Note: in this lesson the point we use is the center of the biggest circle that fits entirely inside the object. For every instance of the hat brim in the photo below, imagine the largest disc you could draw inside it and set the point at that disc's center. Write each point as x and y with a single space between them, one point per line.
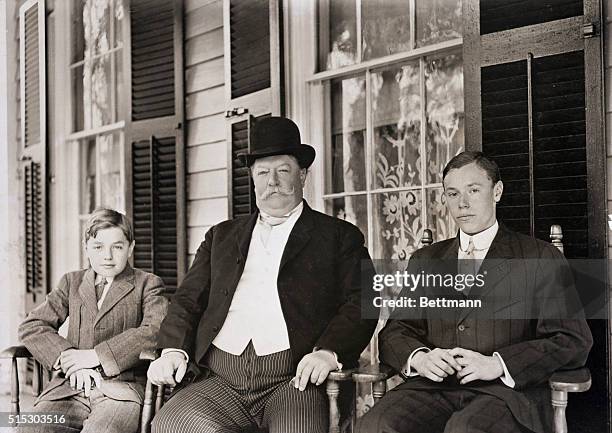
304 153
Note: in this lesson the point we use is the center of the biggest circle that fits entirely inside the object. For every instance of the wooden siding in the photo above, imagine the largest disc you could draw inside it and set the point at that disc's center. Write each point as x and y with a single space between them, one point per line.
205 107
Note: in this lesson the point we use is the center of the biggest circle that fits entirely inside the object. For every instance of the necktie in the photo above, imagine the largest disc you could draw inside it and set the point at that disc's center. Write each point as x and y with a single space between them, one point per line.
467 265
100 289
269 221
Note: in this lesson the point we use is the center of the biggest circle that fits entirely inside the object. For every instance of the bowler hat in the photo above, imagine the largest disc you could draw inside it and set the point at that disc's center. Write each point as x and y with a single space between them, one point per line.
277 136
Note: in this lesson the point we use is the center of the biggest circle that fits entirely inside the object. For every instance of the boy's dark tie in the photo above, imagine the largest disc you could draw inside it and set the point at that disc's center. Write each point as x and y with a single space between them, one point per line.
100 289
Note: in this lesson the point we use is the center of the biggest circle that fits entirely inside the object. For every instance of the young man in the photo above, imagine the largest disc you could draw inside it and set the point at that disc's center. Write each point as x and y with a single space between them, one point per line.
115 312
269 307
466 371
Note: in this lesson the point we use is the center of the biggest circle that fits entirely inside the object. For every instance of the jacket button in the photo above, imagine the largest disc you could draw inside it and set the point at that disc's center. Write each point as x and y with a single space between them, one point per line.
461 328
238 261
215 329
225 292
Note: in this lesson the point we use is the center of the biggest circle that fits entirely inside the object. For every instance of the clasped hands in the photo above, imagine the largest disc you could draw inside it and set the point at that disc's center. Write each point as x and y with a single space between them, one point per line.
468 365
169 369
77 365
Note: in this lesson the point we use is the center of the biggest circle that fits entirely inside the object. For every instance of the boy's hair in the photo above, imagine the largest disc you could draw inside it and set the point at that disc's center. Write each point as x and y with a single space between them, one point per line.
104 218
465 158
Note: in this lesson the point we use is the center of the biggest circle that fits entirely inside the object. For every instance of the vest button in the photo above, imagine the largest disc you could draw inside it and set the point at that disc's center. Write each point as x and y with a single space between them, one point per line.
215 329
225 292
238 261
461 328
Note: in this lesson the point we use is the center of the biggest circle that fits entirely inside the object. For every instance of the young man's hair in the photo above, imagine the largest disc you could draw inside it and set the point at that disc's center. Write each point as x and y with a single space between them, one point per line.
104 218
468 157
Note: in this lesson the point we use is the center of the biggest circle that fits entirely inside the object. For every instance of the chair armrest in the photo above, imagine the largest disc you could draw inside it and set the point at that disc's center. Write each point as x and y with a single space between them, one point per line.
578 380
372 373
341 375
15 352
149 355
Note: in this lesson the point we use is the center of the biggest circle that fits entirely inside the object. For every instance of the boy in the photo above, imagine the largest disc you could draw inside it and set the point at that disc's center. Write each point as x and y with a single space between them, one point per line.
115 312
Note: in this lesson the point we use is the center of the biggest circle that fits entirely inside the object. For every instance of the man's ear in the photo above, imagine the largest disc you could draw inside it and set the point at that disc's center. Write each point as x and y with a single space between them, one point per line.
303 175
498 189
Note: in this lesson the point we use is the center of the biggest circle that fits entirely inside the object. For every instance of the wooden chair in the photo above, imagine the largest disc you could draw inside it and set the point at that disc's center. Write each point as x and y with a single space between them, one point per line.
561 383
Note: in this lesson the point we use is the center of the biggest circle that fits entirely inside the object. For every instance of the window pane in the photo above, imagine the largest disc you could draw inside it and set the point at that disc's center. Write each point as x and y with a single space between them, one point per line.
101 90
80 84
78 32
96 18
437 21
347 162
445 115
396 111
88 176
119 13
439 220
337 33
396 224
385 27
111 187
353 209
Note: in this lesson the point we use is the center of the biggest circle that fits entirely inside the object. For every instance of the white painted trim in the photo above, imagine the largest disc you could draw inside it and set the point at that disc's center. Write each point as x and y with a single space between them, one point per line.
96 131
387 60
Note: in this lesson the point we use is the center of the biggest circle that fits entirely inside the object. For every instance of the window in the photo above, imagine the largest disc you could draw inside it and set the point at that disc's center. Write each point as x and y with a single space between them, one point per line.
97 84
393 79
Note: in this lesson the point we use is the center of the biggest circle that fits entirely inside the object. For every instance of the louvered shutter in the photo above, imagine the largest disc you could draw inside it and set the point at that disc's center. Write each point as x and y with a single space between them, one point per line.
242 192
33 152
156 160
254 60
533 103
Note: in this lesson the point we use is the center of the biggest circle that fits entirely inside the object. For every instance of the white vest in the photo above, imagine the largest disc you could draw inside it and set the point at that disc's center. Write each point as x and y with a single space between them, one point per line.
255 313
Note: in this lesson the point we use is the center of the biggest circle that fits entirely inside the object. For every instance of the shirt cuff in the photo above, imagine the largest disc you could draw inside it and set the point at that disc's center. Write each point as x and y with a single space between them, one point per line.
408 370
506 378
176 350
338 363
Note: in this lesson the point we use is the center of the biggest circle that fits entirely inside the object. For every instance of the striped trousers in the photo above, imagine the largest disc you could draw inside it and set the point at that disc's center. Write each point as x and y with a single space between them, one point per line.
244 393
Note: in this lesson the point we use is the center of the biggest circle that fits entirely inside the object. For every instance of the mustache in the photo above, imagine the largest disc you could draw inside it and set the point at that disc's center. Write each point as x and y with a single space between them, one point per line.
277 189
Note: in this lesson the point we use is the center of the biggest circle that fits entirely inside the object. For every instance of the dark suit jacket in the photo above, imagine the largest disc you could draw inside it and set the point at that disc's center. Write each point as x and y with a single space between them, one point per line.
319 286
126 324
533 348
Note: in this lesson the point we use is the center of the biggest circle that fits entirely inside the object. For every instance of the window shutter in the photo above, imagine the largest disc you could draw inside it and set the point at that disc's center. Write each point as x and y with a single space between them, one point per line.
254 60
498 15
33 152
156 156
250 46
533 102
243 191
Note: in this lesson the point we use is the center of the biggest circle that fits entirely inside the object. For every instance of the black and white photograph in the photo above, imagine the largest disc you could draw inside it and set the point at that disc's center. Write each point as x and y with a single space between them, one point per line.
305 216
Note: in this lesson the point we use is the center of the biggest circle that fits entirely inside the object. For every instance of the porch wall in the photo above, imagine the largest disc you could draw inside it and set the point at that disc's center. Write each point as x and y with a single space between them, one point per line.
207 178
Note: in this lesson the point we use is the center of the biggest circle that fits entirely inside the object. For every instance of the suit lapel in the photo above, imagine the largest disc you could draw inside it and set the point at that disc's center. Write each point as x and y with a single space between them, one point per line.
299 237
87 291
121 286
243 236
495 267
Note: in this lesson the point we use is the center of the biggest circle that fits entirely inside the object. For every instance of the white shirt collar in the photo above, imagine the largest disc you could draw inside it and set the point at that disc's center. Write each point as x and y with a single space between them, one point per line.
482 240
293 214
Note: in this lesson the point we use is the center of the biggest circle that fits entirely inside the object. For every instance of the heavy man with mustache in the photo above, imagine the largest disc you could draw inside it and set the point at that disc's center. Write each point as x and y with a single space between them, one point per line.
270 305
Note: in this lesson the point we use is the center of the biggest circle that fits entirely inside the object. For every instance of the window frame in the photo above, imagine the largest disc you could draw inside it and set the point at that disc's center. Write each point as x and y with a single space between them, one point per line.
320 84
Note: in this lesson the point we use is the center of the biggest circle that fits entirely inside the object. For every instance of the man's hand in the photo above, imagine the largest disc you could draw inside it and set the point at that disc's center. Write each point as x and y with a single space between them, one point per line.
476 366
82 380
72 360
314 367
162 370
435 365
